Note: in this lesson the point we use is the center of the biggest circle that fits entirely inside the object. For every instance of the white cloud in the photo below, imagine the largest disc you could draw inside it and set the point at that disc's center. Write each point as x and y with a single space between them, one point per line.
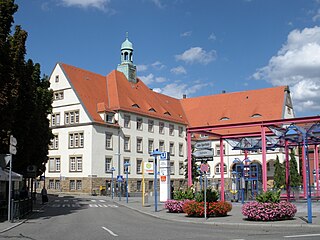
142 68
178 70
197 55
99 4
147 79
158 65
317 16
297 64
186 34
177 90
158 3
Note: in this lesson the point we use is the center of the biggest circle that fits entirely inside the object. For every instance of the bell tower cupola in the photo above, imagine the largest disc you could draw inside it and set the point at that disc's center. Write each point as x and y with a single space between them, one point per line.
126 66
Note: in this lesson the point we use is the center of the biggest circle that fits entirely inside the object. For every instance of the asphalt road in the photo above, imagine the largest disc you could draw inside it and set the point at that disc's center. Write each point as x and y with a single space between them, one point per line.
90 218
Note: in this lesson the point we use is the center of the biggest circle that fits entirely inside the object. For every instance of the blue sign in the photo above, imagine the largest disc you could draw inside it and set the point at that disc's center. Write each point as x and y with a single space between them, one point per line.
120 178
165 156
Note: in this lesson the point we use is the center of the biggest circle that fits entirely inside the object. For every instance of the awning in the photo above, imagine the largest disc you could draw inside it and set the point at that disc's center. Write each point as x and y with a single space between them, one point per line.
4 176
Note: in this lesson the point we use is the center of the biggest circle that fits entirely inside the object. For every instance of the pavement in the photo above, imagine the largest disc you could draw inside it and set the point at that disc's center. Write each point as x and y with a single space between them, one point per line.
234 218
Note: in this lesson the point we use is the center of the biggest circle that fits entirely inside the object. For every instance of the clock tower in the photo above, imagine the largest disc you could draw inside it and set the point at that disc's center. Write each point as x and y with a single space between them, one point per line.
126 66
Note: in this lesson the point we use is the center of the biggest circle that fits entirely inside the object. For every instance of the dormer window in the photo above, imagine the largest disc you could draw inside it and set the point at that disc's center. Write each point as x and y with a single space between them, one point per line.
109 117
224 119
152 110
167 113
256 115
135 105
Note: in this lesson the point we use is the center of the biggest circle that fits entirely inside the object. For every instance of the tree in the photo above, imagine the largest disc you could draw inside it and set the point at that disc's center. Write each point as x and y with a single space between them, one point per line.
8 85
279 174
24 115
295 178
194 169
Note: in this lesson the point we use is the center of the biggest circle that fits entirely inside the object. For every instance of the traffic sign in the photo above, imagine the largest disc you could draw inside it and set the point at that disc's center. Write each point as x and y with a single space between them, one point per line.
165 156
13 141
120 178
204 167
203 145
12 150
203 153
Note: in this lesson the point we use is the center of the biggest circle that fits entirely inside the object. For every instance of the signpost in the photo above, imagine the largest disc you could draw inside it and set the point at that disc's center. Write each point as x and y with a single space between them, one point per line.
12 150
204 168
164 165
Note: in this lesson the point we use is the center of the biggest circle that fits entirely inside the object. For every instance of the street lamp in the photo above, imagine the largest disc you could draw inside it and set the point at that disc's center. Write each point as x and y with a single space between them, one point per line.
126 165
243 164
112 187
154 154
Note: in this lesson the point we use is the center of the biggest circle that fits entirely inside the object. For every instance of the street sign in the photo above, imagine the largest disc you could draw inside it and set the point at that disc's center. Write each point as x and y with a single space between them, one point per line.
148 167
165 156
203 145
204 167
12 150
204 159
203 153
13 141
120 178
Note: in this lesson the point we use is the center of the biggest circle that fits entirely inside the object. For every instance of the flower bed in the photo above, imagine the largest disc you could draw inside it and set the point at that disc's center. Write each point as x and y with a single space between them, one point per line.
175 206
214 209
269 211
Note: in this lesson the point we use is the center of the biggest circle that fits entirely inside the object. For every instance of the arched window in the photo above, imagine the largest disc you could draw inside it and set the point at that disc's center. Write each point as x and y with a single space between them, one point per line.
218 168
224 118
126 56
256 115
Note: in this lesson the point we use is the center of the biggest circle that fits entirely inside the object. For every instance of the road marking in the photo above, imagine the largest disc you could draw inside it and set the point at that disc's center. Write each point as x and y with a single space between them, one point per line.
102 200
93 205
109 231
93 200
301 236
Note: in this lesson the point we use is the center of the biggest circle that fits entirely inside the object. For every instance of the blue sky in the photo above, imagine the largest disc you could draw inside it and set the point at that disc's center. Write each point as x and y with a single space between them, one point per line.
193 47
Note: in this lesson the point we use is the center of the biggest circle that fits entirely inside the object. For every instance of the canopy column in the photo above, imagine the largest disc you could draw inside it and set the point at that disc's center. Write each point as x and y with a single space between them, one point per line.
286 149
316 167
221 170
189 158
264 158
304 175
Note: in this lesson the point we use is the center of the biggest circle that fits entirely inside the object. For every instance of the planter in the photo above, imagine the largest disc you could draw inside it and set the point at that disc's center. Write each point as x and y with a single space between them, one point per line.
214 209
269 211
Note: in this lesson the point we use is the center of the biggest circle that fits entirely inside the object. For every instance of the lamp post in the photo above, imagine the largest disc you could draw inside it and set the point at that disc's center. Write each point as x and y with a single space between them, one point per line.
243 164
154 154
126 165
112 170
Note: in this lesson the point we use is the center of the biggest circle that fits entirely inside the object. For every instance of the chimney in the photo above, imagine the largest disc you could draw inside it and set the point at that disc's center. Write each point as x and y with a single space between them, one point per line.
184 96
223 91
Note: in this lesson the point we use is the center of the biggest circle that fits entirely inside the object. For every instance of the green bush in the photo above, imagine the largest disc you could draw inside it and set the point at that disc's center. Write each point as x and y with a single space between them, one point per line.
212 195
183 194
269 197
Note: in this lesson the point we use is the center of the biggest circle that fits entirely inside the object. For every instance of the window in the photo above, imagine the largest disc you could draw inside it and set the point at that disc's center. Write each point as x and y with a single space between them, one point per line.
54 143
172 168
79 185
108 164
54 164
126 168
57 78
150 145
57 184
180 131
109 118
152 110
150 125
218 169
139 186
256 115
218 149
161 127
75 164
171 129
51 184
181 168
58 95
72 185
71 117
150 185
224 119
109 143
127 121
139 145
55 119
126 146
161 146
171 148
139 124
76 140
181 149
139 166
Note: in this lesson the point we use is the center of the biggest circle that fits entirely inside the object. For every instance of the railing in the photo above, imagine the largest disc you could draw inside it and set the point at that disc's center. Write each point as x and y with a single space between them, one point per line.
19 209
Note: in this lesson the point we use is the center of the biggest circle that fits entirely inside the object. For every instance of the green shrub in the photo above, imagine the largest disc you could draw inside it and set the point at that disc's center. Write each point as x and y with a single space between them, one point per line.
212 195
269 197
183 194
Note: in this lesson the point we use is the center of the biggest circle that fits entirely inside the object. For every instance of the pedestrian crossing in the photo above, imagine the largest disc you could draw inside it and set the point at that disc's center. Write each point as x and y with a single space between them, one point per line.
78 203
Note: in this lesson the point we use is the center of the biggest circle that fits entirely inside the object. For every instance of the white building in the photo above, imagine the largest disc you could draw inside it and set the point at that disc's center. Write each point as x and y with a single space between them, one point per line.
101 122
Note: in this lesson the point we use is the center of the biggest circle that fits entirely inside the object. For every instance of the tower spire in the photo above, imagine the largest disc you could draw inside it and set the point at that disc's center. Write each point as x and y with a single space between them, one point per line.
126 66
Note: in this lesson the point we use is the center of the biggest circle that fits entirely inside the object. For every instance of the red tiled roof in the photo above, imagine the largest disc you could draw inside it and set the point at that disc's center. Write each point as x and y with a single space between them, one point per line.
114 92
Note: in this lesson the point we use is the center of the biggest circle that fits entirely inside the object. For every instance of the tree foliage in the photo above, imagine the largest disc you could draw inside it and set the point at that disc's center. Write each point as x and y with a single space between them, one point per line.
194 169
295 178
279 174
25 100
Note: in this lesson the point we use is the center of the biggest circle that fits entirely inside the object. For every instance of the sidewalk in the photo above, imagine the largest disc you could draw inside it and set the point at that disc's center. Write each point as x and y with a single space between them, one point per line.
234 218
6 225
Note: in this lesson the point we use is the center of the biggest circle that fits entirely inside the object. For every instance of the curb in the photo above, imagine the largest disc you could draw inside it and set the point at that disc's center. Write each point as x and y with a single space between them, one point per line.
238 225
